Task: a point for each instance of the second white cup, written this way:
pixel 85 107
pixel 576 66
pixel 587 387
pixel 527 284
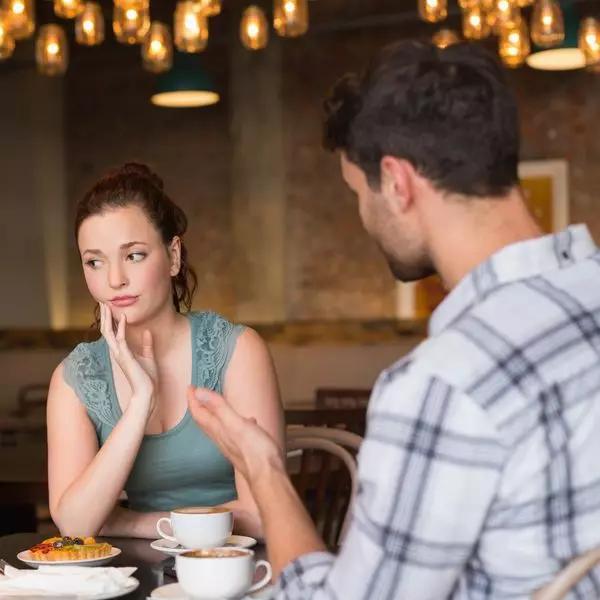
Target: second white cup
pixel 220 573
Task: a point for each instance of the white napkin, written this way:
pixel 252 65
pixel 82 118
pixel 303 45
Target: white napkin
pixel 64 580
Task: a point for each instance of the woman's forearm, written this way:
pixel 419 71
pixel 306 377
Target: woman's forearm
pixel 87 503
pixel 123 522
pixel 246 520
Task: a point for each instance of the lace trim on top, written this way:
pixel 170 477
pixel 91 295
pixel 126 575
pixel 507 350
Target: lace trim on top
pixel 88 372
pixel 215 340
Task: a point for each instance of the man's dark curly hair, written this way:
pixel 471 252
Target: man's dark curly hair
pixel 450 113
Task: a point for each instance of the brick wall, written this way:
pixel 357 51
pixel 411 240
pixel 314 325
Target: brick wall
pixel 334 270
pixel 559 119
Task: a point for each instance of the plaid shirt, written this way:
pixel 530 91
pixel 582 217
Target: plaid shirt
pixel 479 476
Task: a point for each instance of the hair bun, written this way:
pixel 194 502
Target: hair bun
pixel 142 170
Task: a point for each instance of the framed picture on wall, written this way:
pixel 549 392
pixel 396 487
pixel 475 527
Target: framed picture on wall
pixel 545 187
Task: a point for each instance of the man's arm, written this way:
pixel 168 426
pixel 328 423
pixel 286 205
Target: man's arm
pixel 428 472
pixel 288 528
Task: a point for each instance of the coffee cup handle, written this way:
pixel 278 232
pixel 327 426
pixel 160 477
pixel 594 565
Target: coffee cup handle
pixel 265 579
pixel 161 532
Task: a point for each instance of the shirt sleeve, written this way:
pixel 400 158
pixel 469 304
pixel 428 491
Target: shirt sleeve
pixel 428 471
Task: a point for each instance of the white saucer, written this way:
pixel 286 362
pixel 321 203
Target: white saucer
pixel 172 548
pixel 86 562
pixel 173 591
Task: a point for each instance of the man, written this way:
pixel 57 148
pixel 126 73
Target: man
pixel 480 471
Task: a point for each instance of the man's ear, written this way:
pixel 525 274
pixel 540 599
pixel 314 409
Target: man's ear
pixel 397 182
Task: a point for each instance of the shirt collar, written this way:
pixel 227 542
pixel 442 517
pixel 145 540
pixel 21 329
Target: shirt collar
pixel 514 262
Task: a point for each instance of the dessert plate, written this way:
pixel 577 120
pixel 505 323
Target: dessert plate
pixel 25 557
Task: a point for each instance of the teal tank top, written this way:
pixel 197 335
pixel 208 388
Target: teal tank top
pixel 182 466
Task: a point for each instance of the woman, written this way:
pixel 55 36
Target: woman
pixel 117 413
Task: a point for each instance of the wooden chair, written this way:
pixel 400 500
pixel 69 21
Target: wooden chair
pixel 350 419
pixel 569 577
pixel 342 397
pixel 325 476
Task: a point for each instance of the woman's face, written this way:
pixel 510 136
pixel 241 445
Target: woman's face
pixel 126 264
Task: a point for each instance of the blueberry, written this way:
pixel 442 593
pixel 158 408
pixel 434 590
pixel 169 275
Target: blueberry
pixel 78 541
pixel 58 544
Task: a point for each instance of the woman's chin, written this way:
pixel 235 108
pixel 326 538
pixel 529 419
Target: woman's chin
pixel 139 312
pixel 132 313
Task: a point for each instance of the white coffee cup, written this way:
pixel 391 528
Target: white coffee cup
pixel 198 527
pixel 220 573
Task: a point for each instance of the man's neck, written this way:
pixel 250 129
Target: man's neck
pixel 471 233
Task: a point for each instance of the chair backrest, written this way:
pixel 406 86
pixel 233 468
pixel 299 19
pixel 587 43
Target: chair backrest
pixel 351 419
pixel 569 577
pixel 342 397
pixel 346 439
pixel 322 465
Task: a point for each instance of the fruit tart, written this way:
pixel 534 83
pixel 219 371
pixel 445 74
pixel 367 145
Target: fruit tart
pixel 68 548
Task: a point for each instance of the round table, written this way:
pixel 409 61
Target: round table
pixel 153 567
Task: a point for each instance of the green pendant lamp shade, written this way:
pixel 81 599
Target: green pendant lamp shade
pixel 565 56
pixel 185 85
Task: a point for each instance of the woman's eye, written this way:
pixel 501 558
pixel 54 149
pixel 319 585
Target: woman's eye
pixel 137 256
pixel 93 263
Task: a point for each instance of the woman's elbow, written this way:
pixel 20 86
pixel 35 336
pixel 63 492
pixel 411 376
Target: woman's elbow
pixel 69 524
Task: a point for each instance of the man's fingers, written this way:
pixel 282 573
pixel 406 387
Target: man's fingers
pixel 199 409
pixel 218 407
pixel 205 396
pixel 205 419
pixel 216 404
